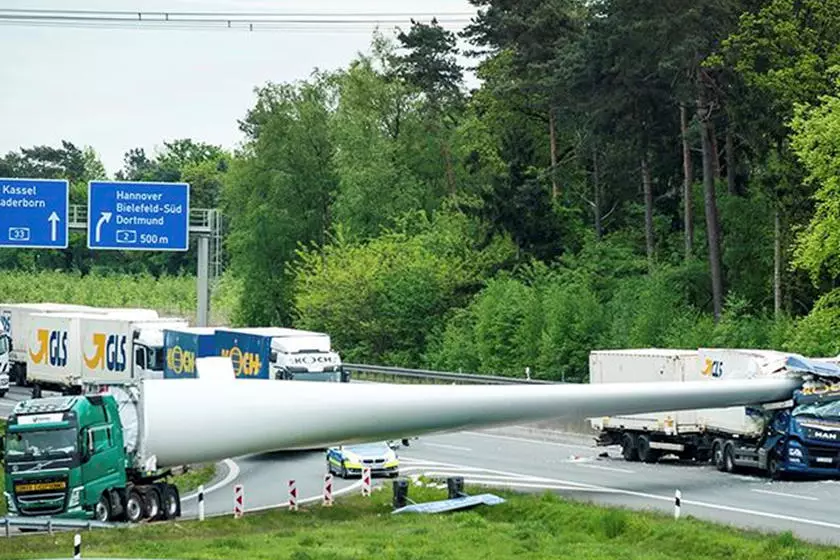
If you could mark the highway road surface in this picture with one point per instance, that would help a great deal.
(537, 460)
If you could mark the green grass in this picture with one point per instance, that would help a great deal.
(169, 295)
(526, 526)
(192, 479)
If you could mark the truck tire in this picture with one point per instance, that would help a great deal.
(2, 393)
(628, 447)
(153, 503)
(171, 502)
(36, 391)
(135, 507)
(773, 470)
(102, 509)
(717, 454)
(729, 458)
(646, 454)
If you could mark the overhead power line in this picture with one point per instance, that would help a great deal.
(247, 21)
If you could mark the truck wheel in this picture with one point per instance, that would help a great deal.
(628, 447)
(135, 507)
(36, 391)
(2, 393)
(102, 510)
(153, 509)
(773, 468)
(646, 454)
(171, 501)
(729, 459)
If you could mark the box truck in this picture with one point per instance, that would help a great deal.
(280, 353)
(70, 350)
(16, 321)
(800, 435)
(5, 346)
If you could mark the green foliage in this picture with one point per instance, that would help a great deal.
(169, 295)
(379, 299)
(818, 334)
(816, 141)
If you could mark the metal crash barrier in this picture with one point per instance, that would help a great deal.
(49, 524)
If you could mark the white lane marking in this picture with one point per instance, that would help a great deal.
(233, 472)
(436, 464)
(444, 446)
(683, 501)
(784, 495)
(536, 441)
(599, 467)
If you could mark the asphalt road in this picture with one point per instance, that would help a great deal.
(537, 460)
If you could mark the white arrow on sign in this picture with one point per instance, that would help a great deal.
(54, 219)
(103, 219)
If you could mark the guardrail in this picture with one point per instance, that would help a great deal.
(49, 524)
(447, 376)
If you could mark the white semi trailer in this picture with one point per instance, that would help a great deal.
(68, 351)
(16, 322)
(796, 435)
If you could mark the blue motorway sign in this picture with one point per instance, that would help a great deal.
(136, 216)
(33, 213)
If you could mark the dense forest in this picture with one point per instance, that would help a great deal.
(625, 174)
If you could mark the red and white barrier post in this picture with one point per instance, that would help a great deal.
(328, 480)
(238, 501)
(292, 496)
(366, 481)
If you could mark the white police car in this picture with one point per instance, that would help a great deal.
(349, 460)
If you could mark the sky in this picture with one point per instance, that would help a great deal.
(117, 89)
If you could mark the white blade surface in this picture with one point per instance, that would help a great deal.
(187, 420)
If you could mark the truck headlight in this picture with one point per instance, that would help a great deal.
(75, 496)
(794, 452)
(10, 503)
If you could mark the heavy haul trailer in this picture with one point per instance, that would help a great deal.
(68, 351)
(799, 435)
(108, 455)
(16, 321)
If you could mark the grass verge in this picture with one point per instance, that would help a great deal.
(528, 526)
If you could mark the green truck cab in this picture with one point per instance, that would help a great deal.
(65, 457)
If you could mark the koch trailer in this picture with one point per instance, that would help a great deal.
(184, 347)
(800, 435)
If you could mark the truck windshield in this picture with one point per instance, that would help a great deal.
(25, 446)
(155, 359)
(829, 409)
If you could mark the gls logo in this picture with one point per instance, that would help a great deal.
(825, 435)
(52, 348)
(108, 352)
(713, 368)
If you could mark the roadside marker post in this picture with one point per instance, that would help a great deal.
(77, 546)
(366, 481)
(292, 496)
(238, 501)
(328, 500)
(677, 498)
(201, 503)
